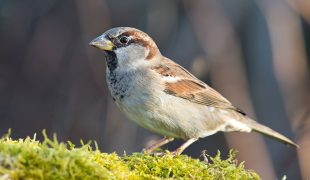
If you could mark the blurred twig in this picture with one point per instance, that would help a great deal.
(302, 7)
(290, 63)
(218, 39)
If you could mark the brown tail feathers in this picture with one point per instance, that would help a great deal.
(271, 133)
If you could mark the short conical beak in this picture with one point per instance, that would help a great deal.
(102, 43)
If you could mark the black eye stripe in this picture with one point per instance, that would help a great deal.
(117, 40)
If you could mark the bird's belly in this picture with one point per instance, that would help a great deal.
(171, 116)
(145, 112)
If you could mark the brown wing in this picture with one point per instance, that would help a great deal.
(188, 87)
(197, 93)
(170, 68)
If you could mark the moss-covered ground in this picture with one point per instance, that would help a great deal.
(30, 159)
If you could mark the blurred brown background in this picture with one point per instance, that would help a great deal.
(256, 53)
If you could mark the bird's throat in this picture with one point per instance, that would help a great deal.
(111, 59)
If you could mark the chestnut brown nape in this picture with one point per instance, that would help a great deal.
(144, 40)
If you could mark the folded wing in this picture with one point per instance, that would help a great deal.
(185, 85)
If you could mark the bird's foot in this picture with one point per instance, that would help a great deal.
(163, 153)
(160, 154)
(158, 144)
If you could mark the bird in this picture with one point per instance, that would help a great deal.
(163, 97)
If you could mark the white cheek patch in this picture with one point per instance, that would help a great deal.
(131, 56)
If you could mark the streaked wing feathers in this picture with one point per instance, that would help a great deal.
(197, 93)
(190, 88)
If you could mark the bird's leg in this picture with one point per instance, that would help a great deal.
(158, 144)
(184, 146)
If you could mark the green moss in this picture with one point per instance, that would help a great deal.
(30, 159)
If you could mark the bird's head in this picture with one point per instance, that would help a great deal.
(126, 48)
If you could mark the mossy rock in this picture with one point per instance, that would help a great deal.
(31, 159)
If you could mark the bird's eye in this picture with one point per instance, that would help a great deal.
(124, 39)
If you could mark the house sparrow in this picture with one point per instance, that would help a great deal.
(163, 97)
